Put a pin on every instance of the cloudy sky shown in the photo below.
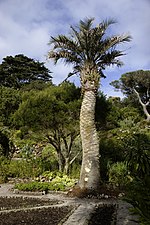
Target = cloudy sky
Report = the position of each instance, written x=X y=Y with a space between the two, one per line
x=26 y=27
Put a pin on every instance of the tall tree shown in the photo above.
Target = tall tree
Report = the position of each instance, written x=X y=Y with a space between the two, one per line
x=54 y=114
x=136 y=83
x=19 y=70
x=90 y=51
x=9 y=103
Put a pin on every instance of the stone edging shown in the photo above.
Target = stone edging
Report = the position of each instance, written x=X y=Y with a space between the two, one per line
x=83 y=208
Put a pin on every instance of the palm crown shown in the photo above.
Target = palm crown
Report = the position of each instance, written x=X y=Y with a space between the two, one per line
x=88 y=50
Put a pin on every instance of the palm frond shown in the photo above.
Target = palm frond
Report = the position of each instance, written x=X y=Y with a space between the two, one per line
x=110 y=58
x=66 y=56
x=88 y=45
x=106 y=23
x=115 y=40
x=86 y=24
x=63 y=42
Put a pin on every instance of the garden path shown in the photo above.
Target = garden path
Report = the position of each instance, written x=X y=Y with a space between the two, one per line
x=83 y=207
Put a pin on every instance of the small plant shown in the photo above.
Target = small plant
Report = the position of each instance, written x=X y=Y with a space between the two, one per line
x=49 y=176
x=56 y=184
x=4 y=168
x=138 y=194
x=118 y=174
x=138 y=162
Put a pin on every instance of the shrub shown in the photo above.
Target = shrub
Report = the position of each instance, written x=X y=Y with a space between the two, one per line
x=118 y=174
x=138 y=162
x=58 y=183
x=19 y=168
x=4 y=168
x=138 y=195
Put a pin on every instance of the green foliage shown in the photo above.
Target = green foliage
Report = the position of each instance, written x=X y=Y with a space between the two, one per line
x=4 y=168
x=49 y=158
x=24 y=169
x=49 y=176
x=21 y=168
x=119 y=113
x=138 y=194
x=52 y=113
x=59 y=182
x=138 y=154
x=75 y=170
x=9 y=103
x=6 y=142
x=87 y=50
x=49 y=108
x=101 y=111
x=138 y=163
x=118 y=174
x=20 y=70
x=32 y=186
x=140 y=80
x=38 y=85
x=136 y=85
x=111 y=149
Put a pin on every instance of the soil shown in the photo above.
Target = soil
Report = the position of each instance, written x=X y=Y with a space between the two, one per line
x=46 y=216
x=7 y=203
x=36 y=209
x=103 y=216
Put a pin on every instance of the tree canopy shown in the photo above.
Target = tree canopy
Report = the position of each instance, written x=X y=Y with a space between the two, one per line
x=54 y=113
x=136 y=83
x=19 y=70
x=88 y=49
x=9 y=103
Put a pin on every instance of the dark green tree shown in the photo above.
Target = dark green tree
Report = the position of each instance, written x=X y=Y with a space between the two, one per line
x=137 y=85
x=4 y=145
x=90 y=51
x=9 y=103
x=20 y=70
x=53 y=113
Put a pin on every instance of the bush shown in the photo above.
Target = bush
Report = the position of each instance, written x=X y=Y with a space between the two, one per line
x=57 y=184
x=138 y=162
x=24 y=169
x=19 y=168
x=32 y=186
x=138 y=155
x=118 y=174
x=49 y=176
x=138 y=194
x=4 y=168
x=75 y=170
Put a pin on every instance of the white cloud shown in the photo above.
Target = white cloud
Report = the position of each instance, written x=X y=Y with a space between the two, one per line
x=26 y=27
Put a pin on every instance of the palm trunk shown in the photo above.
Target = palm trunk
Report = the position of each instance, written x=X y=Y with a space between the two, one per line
x=90 y=169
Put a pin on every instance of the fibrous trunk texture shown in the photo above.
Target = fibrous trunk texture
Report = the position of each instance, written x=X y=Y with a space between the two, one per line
x=90 y=169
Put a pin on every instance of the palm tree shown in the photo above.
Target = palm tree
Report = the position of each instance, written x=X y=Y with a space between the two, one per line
x=90 y=51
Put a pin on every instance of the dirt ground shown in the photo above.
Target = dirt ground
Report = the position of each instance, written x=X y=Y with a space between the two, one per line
x=17 y=208
x=46 y=216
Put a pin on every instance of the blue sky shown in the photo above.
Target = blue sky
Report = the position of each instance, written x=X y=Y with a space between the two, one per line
x=26 y=27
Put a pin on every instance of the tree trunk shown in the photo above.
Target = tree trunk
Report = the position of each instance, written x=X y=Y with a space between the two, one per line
x=143 y=105
x=61 y=161
x=90 y=169
x=66 y=167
